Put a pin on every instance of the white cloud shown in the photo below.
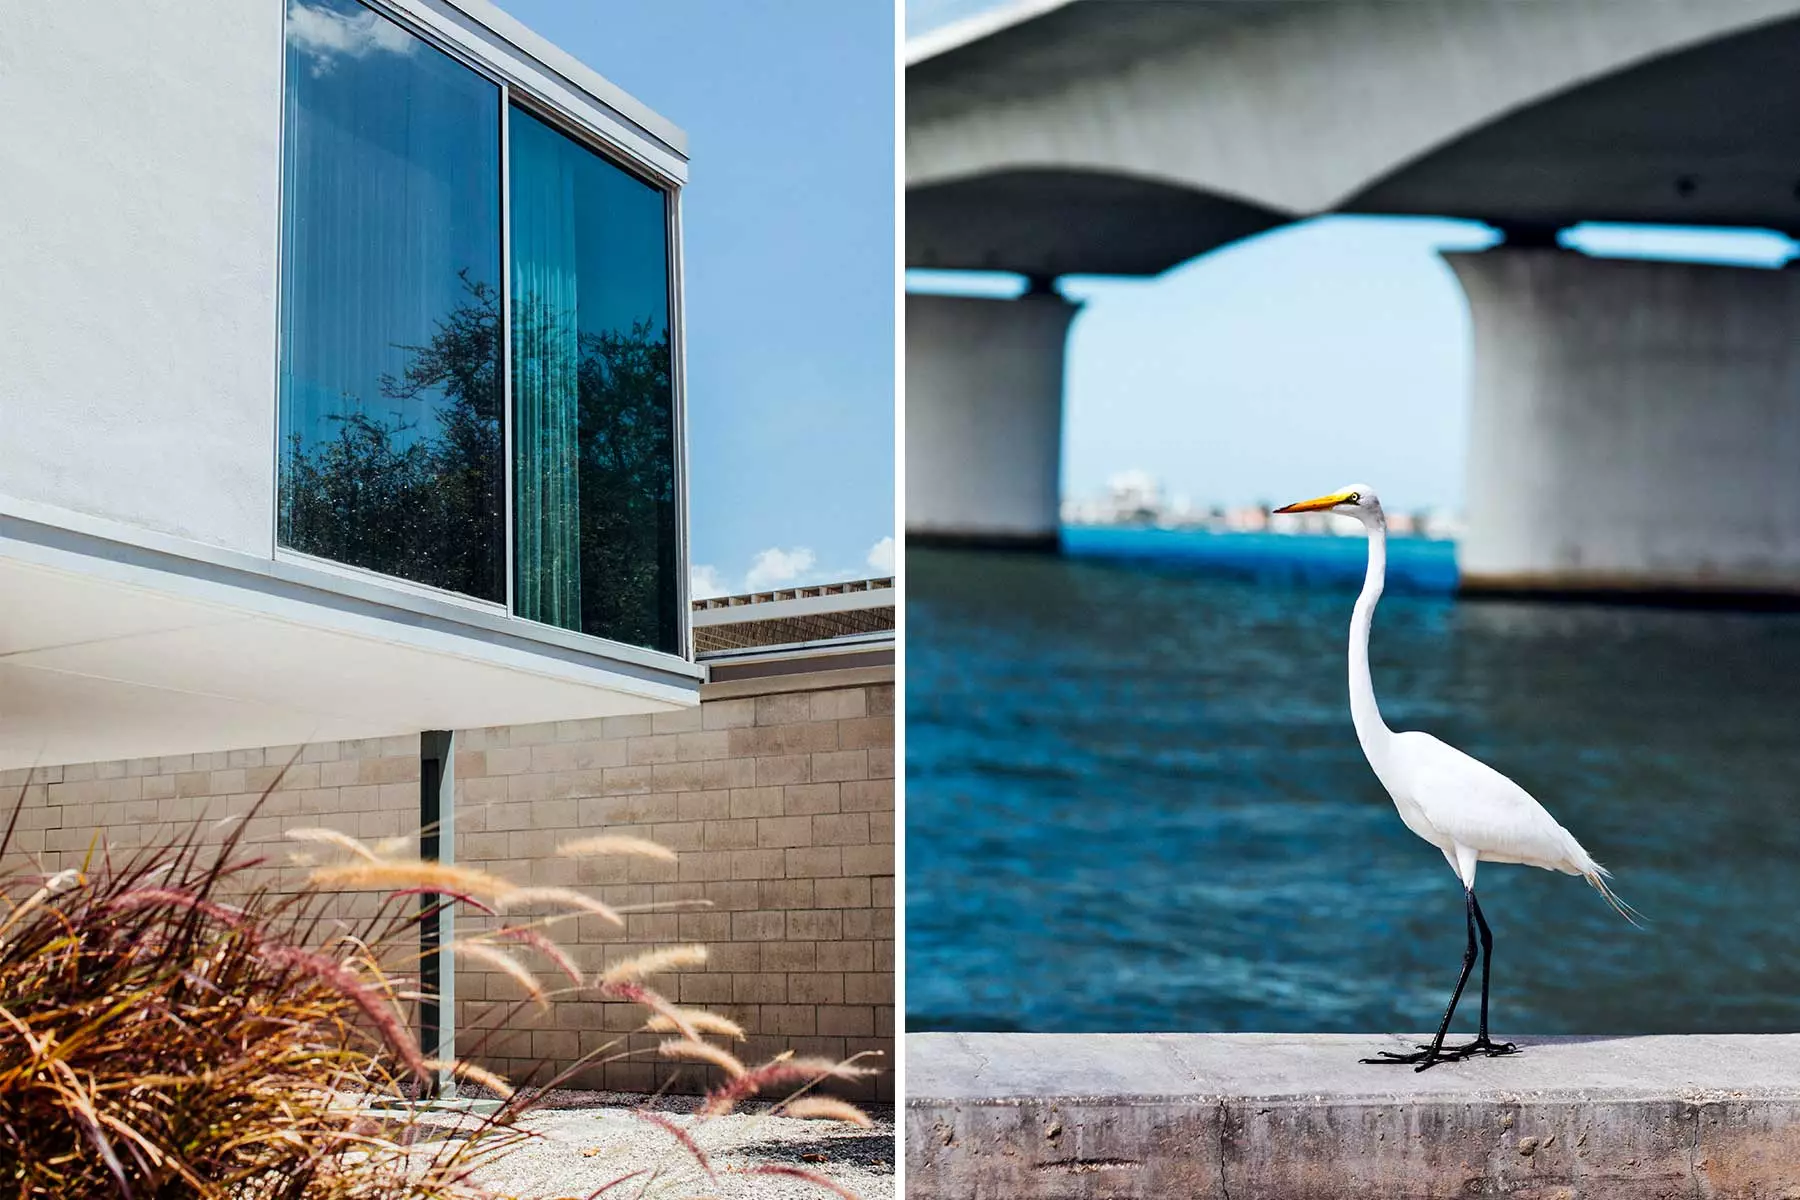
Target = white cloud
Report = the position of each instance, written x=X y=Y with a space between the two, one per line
x=794 y=566
x=704 y=582
x=776 y=567
x=881 y=556
x=324 y=34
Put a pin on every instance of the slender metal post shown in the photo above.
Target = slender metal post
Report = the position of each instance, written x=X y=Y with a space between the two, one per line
x=437 y=929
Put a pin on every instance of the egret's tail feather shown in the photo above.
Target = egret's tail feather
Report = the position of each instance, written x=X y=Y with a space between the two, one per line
x=1598 y=877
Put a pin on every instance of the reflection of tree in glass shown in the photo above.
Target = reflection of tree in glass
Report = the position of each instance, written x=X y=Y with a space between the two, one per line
x=627 y=474
x=421 y=506
x=596 y=548
x=427 y=505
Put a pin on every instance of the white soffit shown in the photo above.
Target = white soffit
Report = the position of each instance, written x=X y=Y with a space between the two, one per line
x=105 y=658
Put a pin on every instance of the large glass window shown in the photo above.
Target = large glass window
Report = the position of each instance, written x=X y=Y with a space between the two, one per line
x=392 y=447
x=393 y=420
x=593 y=411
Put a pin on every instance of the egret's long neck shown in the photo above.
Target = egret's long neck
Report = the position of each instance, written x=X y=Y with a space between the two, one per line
x=1371 y=730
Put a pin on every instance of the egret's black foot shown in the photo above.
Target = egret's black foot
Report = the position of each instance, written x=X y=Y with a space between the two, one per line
x=1423 y=1060
x=1426 y=1057
x=1481 y=1045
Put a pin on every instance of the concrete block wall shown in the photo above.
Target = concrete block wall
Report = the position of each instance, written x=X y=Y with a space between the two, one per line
x=369 y=789
x=778 y=796
x=776 y=793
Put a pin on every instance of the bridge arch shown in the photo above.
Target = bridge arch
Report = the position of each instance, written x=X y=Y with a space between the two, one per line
x=1116 y=137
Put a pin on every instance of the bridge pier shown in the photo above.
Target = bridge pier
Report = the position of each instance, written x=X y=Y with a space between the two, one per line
x=984 y=386
x=1635 y=429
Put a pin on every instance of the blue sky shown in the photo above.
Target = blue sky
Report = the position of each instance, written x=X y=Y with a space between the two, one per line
x=1322 y=353
x=789 y=218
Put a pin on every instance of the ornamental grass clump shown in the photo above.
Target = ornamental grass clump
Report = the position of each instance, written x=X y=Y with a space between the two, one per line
x=172 y=1028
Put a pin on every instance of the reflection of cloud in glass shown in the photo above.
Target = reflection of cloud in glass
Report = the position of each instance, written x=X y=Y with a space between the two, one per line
x=325 y=31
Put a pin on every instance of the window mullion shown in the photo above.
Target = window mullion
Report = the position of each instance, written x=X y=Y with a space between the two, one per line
x=509 y=519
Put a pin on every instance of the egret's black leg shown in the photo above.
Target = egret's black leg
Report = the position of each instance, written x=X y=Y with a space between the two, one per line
x=1482 y=1043
x=1487 y=960
x=1434 y=1053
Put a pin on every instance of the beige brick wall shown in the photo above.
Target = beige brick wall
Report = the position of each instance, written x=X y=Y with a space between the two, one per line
x=777 y=794
x=780 y=804
x=366 y=788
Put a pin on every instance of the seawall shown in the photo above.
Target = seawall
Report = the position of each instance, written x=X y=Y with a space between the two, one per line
x=1250 y=1116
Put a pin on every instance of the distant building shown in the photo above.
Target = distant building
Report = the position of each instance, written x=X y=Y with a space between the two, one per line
x=1135 y=498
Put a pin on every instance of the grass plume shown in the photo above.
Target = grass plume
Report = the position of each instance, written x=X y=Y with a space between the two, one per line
x=704 y=1052
x=332 y=837
x=698 y=1019
x=398 y=874
x=500 y=960
x=558 y=897
x=812 y=1177
x=618 y=844
x=782 y=1072
x=651 y=962
x=825 y=1108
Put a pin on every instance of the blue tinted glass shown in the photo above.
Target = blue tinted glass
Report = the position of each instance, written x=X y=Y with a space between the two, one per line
x=594 y=422
x=391 y=443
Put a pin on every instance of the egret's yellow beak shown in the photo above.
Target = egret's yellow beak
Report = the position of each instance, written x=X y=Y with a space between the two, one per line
x=1317 y=504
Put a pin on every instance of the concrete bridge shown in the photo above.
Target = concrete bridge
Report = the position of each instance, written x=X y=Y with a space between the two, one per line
x=1635 y=425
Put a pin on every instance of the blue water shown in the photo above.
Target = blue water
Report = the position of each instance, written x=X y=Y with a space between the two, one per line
x=1134 y=799
x=1414 y=564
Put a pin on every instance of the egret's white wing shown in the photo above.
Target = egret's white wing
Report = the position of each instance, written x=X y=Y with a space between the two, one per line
x=1477 y=807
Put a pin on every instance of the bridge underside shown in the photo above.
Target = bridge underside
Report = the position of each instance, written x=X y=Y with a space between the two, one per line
x=1047 y=223
x=1708 y=136
x=1703 y=135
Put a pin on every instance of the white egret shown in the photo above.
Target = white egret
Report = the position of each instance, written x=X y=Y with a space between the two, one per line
x=1462 y=806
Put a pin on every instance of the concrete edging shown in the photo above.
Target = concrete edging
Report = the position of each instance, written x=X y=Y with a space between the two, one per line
x=1297 y=1117
x=826 y=680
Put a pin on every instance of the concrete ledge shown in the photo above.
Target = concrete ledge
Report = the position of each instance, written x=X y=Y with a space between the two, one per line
x=1297 y=1117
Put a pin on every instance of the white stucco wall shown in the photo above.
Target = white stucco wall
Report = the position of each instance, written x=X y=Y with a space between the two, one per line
x=139 y=208
x=984 y=387
x=1635 y=425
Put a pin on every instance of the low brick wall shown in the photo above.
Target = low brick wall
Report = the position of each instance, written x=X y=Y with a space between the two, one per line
x=777 y=793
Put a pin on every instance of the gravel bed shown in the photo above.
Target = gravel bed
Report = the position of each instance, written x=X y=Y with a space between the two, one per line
x=587 y=1139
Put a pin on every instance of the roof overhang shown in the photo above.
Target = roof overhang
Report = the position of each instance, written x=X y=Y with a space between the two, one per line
x=118 y=644
x=762 y=619
x=803 y=601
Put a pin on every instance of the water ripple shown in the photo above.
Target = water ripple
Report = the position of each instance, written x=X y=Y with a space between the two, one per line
x=1135 y=801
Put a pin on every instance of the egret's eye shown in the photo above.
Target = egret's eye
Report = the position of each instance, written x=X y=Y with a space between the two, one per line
x=1353 y=497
